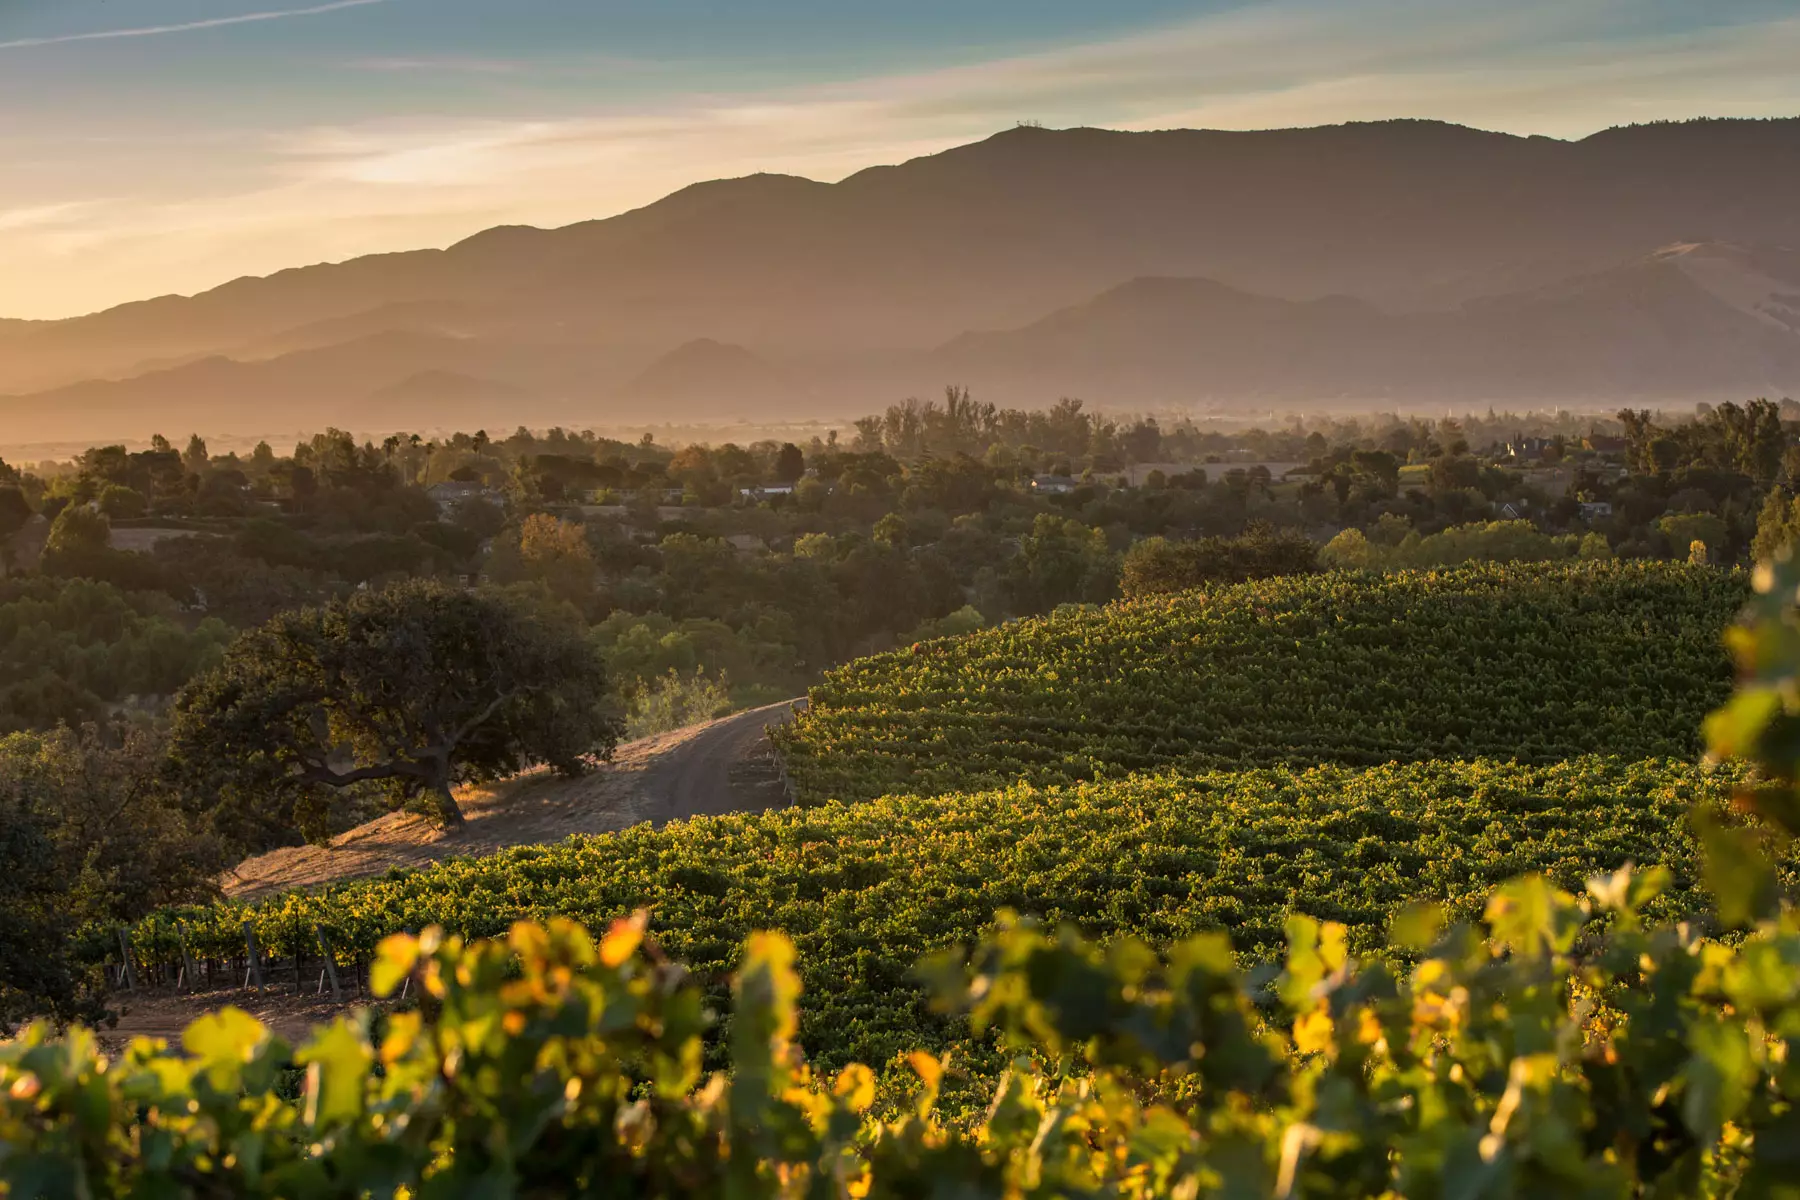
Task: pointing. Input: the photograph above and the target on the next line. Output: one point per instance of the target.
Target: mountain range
(1400, 263)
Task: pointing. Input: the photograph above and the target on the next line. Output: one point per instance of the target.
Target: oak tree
(406, 691)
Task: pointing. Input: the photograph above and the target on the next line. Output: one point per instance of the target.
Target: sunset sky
(153, 146)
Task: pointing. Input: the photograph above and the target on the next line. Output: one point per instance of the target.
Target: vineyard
(865, 890)
(1535, 663)
(1241, 996)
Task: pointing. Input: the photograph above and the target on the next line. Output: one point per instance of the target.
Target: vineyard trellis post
(254, 976)
(190, 970)
(127, 971)
(337, 992)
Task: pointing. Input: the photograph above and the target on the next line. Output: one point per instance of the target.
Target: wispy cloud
(474, 66)
(43, 216)
(99, 35)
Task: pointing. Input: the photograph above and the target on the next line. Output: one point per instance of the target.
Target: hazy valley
(1396, 264)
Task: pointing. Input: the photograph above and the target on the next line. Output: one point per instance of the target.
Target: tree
(15, 511)
(549, 551)
(122, 503)
(1777, 526)
(1684, 529)
(790, 464)
(35, 974)
(78, 547)
(78, 530)
(195, 458)
(1062, 561)
(88, 833)
(1157, 565)
(409, 691)
(1594, 547)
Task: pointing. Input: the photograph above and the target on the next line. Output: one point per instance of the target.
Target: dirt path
(289, 1015)
(726, 766)
(722, 766)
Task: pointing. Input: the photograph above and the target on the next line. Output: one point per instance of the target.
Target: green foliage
(78, 529)
(1777, 525)
(641, 651)
(35, 973)
(121, 503)
(87, 834)
(411, 689)
(1482, 542)
(1762, 721)
(1061, 561)
(79, 547)
(865, 889)
(1684, 529)
(676, 701)
(15, 510)
(1560, 1047)
(966, 619)
(1556, 1044)
(67, 647)
(1157, 565)
(551, 552)
(1540, 663)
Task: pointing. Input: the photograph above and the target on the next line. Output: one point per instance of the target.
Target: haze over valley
(1403, 264)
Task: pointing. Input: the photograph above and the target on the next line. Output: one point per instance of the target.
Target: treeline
(758, 566)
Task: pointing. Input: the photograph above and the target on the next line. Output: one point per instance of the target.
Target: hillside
(1238, 751)
(705, 379)
(865, 890)
(850, 285)
(1534, 663)
(1689, 320)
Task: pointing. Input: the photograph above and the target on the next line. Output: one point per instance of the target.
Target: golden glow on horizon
(325, 193)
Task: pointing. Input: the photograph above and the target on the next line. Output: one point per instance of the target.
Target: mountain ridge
(893, 263)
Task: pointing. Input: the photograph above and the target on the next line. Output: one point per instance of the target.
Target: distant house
(1052, 485)
(764, 490)
(453, 495)
(1594, 510)
(1601, 443)
(1512, 511)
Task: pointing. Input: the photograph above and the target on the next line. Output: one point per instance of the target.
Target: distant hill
(385, 381)
(1692, 321)
(444, 400)
(850, 285)
(707, 380)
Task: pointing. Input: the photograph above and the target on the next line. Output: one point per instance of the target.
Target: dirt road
(721, 766)
(726, 766)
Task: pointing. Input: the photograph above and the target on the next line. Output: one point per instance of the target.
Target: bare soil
(165, 1015)
(722, 766)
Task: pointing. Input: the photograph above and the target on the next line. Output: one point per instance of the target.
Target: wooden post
(337, 992)
(190, 970)
(127, 971)
(255, 975)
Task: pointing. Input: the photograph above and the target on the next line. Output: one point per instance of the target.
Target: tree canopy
(405, 692)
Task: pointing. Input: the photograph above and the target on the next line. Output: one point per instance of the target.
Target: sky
(158, 146)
